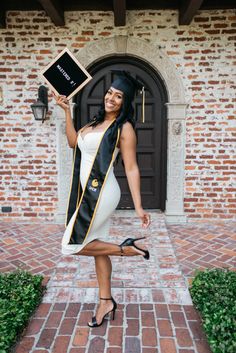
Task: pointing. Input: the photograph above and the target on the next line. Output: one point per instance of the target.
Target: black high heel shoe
(131, 242)
(113, 311)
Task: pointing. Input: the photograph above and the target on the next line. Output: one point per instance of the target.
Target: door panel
(151, 135)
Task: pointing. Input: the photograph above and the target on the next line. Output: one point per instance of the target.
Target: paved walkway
(155, 312)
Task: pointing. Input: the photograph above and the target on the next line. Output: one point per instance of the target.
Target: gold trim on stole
(71, 181)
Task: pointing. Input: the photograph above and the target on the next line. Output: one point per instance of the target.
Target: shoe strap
(121, 250)
(106, 298)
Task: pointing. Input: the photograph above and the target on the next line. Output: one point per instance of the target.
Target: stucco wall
(204, 56)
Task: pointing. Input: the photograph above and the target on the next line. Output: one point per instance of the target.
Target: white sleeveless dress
(109, 199)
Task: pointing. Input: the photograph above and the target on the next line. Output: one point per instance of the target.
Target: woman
(95, 194)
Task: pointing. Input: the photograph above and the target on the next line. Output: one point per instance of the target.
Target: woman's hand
(62, 101)
(145, 217)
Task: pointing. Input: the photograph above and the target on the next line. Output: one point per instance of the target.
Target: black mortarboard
(128, 85)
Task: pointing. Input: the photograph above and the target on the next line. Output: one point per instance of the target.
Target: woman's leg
(103, 270)
(98, 247)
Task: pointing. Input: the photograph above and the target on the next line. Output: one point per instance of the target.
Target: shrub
(20, 293)
(214, 294)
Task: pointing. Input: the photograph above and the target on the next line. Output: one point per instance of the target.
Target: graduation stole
(85, 202)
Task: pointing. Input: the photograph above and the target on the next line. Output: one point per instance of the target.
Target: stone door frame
(176, 114)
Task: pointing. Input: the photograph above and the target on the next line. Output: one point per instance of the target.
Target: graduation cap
(129, 86)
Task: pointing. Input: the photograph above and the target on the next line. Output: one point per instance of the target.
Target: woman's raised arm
(71, 133)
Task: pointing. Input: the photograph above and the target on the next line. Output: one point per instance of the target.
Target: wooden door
(151, 135)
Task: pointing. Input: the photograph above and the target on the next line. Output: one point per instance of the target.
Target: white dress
(110, 195)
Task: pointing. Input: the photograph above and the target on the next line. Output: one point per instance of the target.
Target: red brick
(77, 350)
(46, 338)
(186, 351)
(118, 319)
(61, 344)
(183, 337)
(132, 311)
(202, 346)
(191, 313)
(167, 345)
(43, 310)
(115, 336)
(34, 327)
(164, 327)
(59, 307)
(149, 350)
(133, 327)
(25, 345)
(67, 326)
(73, 310)
(54, 319)
(196, 329)
(132, 344)
(114, 350)
(149, 337)
(146, 307)
(147, 318)
(174, 307)
(81, 336)
(85, 317)
(162, 311)
(178, 319)
(88, 306)
(97, 344)
(101, 330)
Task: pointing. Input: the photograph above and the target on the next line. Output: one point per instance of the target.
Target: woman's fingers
(146, 220)
(62, 101)
(60, 98)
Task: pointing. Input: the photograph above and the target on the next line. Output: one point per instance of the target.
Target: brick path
(155, 312)
(31, 247)
(200, 246)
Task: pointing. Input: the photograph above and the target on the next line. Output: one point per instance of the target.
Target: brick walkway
(155, 312)
(200, 246)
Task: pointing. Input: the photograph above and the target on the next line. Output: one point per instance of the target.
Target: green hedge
(214, 295)
(20, 294)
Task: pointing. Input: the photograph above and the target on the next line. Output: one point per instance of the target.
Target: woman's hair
(126, 114)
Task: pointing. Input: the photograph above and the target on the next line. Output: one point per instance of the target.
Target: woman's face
(113, 100)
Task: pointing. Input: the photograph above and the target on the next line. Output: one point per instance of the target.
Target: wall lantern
(40, 107)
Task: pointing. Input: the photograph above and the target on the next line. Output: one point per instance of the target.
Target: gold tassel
(143, 104)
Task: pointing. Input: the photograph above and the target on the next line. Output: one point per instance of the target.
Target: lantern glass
(39, 110)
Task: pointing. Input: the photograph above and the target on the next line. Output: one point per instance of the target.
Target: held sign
(65, 75)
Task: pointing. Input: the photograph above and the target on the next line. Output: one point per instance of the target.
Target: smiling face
(113, 100)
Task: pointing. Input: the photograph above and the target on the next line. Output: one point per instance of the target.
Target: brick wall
(204, 55)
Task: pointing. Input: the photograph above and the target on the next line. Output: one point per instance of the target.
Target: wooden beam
(54, 11)
(188, 10)
(119, 8)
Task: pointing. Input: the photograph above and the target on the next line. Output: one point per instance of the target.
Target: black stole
(85, 202)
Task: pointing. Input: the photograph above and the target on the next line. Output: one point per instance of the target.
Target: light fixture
(40, 107)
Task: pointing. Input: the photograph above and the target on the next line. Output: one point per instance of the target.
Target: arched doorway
(150, 53)
(151, 136)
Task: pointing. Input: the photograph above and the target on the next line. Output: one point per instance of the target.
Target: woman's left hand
(145, 218)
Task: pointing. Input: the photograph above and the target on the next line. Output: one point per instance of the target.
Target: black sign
(65, 75)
